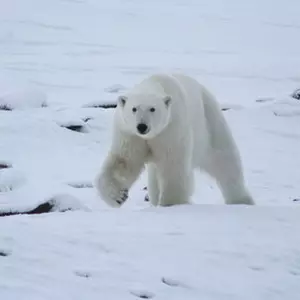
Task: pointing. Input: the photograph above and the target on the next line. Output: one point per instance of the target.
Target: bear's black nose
(142, 128)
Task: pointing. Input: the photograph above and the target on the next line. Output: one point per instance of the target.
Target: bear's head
(145, 115)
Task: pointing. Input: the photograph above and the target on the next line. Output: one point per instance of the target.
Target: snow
(59, 61)
(118, 254)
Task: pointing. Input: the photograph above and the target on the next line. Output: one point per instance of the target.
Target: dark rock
(102, 105)
(77, 128)
(296, 94)
(5, 107)
(4, 253)
(4, 165)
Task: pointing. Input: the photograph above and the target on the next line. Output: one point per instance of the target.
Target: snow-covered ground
(58, 59)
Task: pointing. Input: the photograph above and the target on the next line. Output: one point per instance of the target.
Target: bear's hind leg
(222, 159)
(226, 169)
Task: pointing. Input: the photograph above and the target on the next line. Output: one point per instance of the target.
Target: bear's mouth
(144, 134)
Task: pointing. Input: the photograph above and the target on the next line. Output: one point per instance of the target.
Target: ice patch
(115, 88)
(11, 179)
(65, 202)
(22, 99)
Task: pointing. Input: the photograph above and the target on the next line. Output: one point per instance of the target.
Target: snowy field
(59, 60)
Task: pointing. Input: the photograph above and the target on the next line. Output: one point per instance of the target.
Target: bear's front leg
(110, 182)
(175, 183)
(120, 170)
(115, 179)
(153, 186)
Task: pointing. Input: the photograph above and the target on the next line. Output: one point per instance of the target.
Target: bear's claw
(123, 196)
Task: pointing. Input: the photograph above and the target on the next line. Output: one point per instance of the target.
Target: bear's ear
(122, 100)
(167, 100)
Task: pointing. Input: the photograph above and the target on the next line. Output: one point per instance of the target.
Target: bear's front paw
(113, 192)
(113, 196)
(122, 197)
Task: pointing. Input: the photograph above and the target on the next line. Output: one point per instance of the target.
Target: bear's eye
(152, 109)
(134, 109)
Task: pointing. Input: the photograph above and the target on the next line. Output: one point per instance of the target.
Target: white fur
(186, 131)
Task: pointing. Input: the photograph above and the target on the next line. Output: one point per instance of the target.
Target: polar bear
(172, 125)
